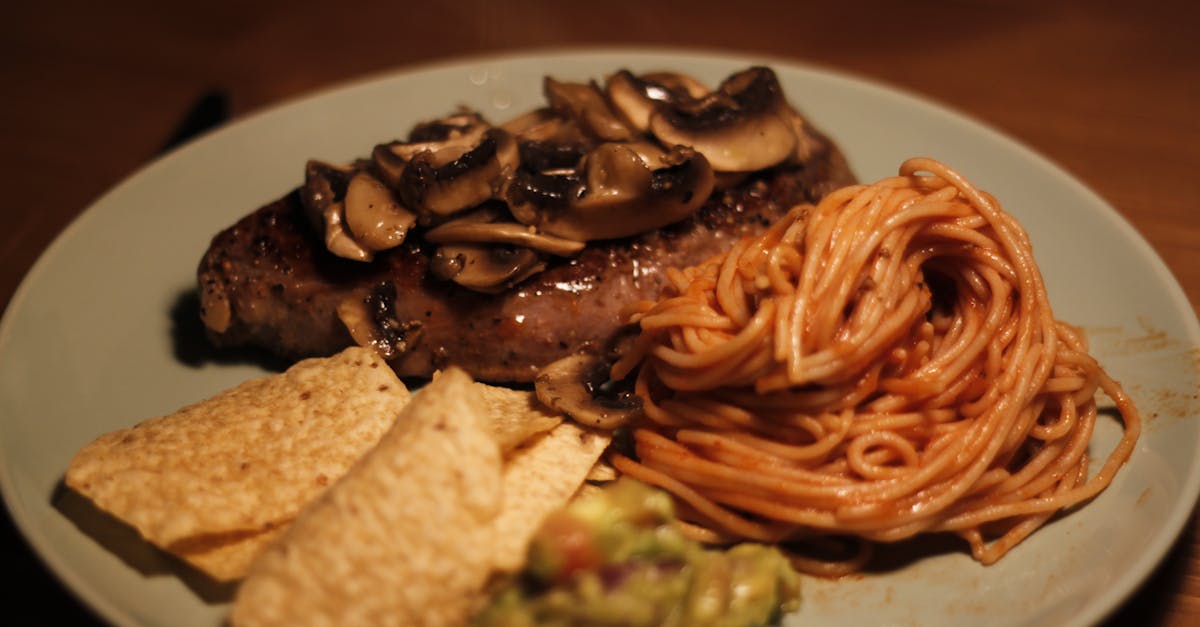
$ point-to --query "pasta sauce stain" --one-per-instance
(1115, 342)
(1151, 351)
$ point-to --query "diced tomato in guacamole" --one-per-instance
(616, 558)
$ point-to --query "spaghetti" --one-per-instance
(881, 365)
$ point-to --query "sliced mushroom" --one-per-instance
(546, 125)
(456, 132)
(323, 197)
(806, 144)
(437, 184)
(324, 185)
(679, 85)
(530, 195)
(387, 165)
(636, 97)
(579, 386)
(462, 129)
(375, 219)
(586, 104)
(641, 153)
(652, 154)
(371, 321)
(546, 179)
(485, 268)
(474, 229)
(614, 193)
(338, 240)
(738, 128)
(552, 157)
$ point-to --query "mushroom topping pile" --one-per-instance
(497, 203)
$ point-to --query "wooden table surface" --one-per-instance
(1108, 90)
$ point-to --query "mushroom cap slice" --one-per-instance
(677, 83)
(484, 268)
(441, 183)
(623, 196)
(738, 128)
(637, 97)
(652, 154)
(326, 188)
(338, 240)
(585, 103)
(510, 233)
(370, 318)
(463, 129)
(373, 216)
(387, 165)
(577, 386)
(755, 143)
(546, 125)
(324, 185)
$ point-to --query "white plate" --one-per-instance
(86, 345)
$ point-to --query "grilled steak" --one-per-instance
(282, 288)
(617, 170)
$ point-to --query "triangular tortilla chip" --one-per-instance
(516, 415)
(246, 460)
(225, 557)
(404, 538)
(540, 477)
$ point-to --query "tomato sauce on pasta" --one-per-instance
(880, 365)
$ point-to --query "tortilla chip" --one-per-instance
(540, 477)
(587, 490)
(602, 472)
(404, 538)
(516, 415)
(246, 460)
(225, 557)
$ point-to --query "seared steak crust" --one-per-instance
(268, 281)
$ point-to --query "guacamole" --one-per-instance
(615, 558)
